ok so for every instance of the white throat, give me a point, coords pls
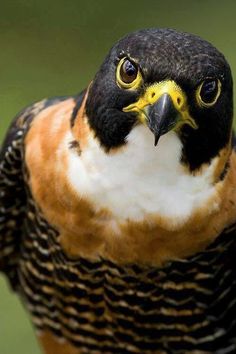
(140, 179)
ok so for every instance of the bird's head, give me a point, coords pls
(168, 81)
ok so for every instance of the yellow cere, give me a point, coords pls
(154, 92)
(132, 85)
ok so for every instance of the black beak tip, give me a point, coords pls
(162, 116)
(157, 137)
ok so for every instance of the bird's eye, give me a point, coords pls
(128, 74)
(208, 92)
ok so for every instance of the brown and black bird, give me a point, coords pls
(118, 206)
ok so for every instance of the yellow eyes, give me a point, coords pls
(208, 92)
(128, 75)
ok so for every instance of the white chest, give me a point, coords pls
(140, 179)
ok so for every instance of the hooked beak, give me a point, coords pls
(163, 107)
(162, 116)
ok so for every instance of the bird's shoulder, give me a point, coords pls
(14, 181)
(51, 144)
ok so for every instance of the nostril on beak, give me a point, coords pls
(179, 101)
(152, 96)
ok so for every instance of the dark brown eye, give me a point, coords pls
(209, 91)
(128, 71)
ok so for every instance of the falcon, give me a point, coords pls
(117, 205)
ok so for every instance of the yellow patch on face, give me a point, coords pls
(154, 92)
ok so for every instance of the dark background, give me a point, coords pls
(50, 48)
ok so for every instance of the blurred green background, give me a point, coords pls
(52, 48)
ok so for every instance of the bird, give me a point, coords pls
(118, 204)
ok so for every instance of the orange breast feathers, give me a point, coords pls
(51, 344)
(46, 152)
(88, 231)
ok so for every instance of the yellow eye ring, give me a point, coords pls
(128, 75)
(208, 92)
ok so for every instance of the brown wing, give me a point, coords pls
(12, 189)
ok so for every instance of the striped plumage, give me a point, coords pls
(103, 304)
(100, 307)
